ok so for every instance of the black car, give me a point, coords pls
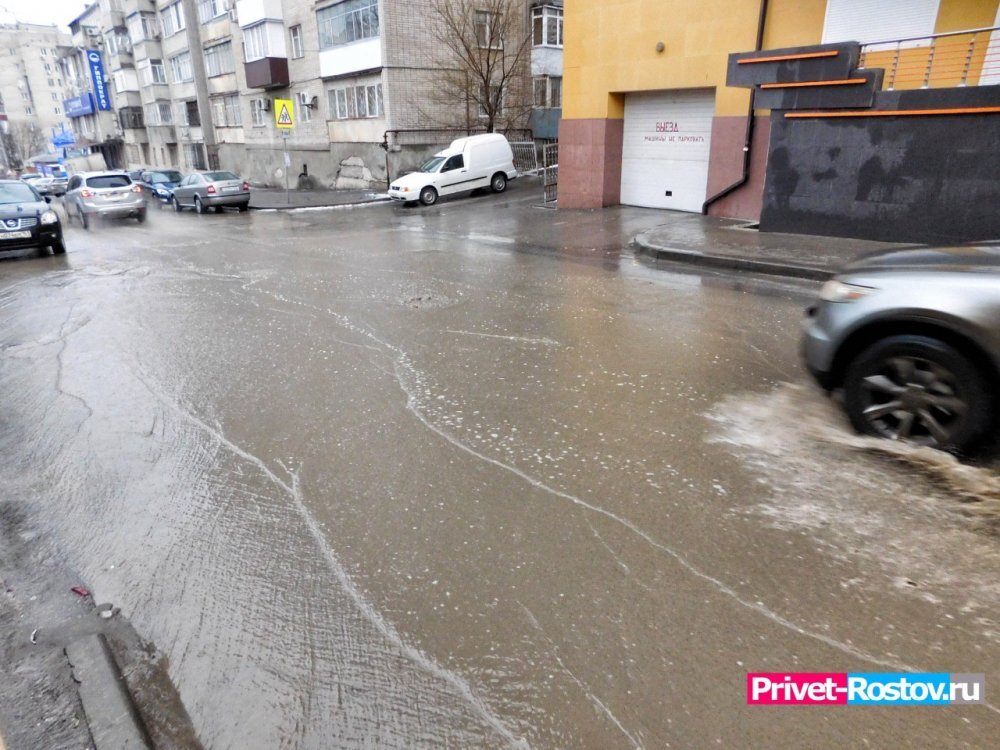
(27, 220)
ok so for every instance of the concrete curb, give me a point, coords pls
(349, 204)
(112, 716)
(729, 263)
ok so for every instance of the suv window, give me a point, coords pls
(109, 181)
(74, 183)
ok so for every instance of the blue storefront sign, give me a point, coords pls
(97, 76)
(62, 138)
(79, 106)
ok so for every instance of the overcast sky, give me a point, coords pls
(59, 12)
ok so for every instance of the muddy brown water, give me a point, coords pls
(379, 478)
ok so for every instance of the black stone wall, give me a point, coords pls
(927, 178)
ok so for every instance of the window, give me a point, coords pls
(347, 22)
(255, 42)
(52, 83)
(29, 111)
(226, 111)
(219, 59)
(158, 113)
(209, 9)
(453, 163)
(850, 20)
(158, 74)
(173, 19)
(488, 31)
(195, 155)
(547, 26)
(187, 113)
(356, 102)
(180, 67)
(58, 111)
(304, 111)
(55, 96)
(494, 96)
(141, 27)
(548, 91)
(258, 112)
(48, 68)
(130, 117)
(295, 38)
(45, 51)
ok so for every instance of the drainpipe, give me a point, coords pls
(748, 137)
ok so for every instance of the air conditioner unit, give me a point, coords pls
(265, 105)
(307, 100)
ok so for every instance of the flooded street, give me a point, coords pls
(474, 476)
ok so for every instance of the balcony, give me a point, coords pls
(949, 60)
(267, 73)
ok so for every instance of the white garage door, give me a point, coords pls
(666, 147)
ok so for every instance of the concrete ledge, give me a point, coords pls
(111, 716)
(769, 266)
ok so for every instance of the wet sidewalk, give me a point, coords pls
(732, 244)
(277, 199)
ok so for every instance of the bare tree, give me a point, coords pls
(21, 141)
(486, 70)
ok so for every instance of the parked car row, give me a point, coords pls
(121, 195)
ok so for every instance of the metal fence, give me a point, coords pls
(550, 173)
(525, 156)
(957, 58)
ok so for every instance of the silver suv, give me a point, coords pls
(108, 195)
(913, 339)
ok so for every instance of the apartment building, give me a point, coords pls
(193, 83)
(30, 89)
(88, 104)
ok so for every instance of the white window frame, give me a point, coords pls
(226, 111)
(348, 22)
(172, 19)
(358, 102)
(485, 30)
(209, 10)
(258, 113)
(546, 19)
(181, 68)
(219, 60)
(255, 42)
(296, 46)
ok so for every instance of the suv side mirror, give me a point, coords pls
(48, 198)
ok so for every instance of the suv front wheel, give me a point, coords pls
(919, 390)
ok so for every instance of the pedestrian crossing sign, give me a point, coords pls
(284, 113)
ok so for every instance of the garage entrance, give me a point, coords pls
(666, 147)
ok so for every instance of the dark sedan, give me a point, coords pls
(913, 339)
(27, 220)
(158, 185)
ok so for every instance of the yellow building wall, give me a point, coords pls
(611, 47)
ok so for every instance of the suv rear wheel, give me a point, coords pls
(920, 390)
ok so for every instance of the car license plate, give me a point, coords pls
(230, 189)
(14, 235)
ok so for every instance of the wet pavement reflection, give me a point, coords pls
(474, 476)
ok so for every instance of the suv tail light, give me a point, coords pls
(211, 190)
(246, 186)
(86, 193)
(136, 189)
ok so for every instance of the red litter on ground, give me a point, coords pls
(80, 591)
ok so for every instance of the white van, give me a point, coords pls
(468, 163)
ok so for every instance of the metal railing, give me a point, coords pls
(948, 60)
(550, 173)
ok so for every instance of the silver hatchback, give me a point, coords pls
(913, 339)
(107, 195)
(216, 189)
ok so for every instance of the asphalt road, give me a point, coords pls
(474, 476)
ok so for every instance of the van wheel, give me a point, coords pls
(499, 182)
(428, 196)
